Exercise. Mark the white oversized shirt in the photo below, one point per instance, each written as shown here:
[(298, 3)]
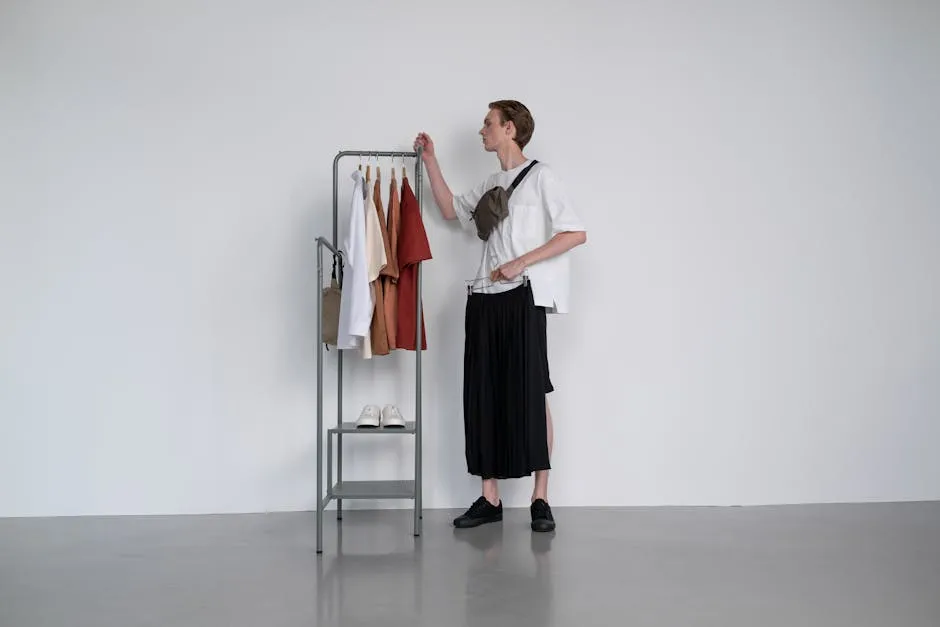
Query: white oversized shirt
[(356, 304), (539, 209)]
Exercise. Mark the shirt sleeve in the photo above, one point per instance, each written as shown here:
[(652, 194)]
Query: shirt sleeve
[(413, 245), (558, 205), (466, 203)]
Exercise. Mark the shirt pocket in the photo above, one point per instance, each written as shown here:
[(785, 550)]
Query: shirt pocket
[(527, 228)]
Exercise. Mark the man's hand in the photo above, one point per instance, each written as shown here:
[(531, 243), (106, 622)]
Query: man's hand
[(442, 194), (424, 141), (560, 243), (508, 271)]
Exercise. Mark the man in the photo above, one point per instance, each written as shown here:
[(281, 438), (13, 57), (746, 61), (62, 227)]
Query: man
[(508, 424)]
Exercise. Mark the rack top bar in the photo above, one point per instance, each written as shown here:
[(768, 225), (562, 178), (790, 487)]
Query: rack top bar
[(376, 153)]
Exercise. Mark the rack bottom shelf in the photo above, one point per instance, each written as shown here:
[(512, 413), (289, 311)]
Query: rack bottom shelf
[(374, 490)]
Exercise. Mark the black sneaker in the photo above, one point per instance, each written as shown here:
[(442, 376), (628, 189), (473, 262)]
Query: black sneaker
[(481, 512), (542, 519)]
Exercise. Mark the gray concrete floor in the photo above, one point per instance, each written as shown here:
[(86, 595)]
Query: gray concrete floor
[(832, 565)]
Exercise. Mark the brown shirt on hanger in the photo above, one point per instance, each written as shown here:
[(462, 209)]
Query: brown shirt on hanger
[(379, 327), (390, 278)]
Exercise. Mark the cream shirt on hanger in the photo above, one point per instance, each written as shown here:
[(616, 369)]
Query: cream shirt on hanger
[(356, 304), (376, 259), (539, 209)]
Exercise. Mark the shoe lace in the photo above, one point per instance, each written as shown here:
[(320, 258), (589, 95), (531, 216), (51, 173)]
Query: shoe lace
[(478, 506), (540, 508)]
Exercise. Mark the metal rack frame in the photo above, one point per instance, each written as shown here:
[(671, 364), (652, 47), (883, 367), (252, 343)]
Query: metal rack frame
[(396, 489)]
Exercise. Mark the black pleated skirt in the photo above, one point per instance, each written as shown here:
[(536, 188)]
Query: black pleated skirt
[(505, 380)]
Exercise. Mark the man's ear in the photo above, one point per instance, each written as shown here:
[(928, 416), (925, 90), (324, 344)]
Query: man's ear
[(511, 129)]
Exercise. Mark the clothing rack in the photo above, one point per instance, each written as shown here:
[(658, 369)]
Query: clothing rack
[(396, 489)]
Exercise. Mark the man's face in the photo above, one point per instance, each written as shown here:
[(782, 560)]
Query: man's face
[(494, 132)]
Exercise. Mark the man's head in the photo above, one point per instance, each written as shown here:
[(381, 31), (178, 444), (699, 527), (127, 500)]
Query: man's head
[(507, 120)]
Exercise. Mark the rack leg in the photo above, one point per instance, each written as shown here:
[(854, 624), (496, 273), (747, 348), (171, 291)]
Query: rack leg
[(319, 524), (419, 314), (329, 463), (339, 416), (319, 528), (339, 473), (319, 399)]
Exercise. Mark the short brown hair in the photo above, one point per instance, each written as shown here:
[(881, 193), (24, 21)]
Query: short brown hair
[(517, 113)]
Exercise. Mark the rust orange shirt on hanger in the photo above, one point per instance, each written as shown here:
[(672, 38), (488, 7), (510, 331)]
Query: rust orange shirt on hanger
[(390, 274)]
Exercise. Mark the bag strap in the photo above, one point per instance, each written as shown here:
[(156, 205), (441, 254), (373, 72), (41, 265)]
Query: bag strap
[(333, 274), (521, 176)]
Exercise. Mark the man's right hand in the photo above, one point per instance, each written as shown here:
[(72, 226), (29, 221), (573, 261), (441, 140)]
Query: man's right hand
[(424, 141)]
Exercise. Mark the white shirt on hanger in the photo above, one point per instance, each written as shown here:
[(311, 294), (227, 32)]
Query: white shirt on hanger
[(539, 209), (356, 304)]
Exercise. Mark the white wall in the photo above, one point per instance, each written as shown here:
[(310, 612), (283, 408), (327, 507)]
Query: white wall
[(758, 306)]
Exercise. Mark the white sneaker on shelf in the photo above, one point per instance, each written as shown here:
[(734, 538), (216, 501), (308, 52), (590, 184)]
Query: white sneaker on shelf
[(391, 417), (369, 418)]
